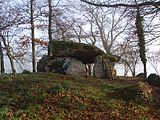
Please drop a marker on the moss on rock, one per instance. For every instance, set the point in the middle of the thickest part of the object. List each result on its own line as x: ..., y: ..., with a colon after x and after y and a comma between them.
x: 83, y: 52
x: 141, y: 93
x: 111, y: 58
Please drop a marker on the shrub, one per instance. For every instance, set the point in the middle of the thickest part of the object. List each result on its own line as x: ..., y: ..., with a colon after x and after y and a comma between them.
x: 26, y: 72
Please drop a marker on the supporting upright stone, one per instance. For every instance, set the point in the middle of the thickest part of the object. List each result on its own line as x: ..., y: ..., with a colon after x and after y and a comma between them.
x: 64, y: 65
x: 103, y: 68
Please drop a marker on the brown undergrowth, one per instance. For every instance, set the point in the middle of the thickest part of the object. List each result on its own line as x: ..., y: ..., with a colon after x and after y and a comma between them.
x: 48, y: 96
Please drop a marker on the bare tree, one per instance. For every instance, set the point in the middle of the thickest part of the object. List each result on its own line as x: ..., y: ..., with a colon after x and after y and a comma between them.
x: 49, y: 23
x: 141, y: 39
x: 78, y: 31
x: 106, y: 26
x: 154, y: 60
x: 129, y: 57
x: 124, y: 3
x: 10, y: 56
x: 11, y: 17
x: 153, y: 8
x: 1, y: 59
x: 32, y: 34
x: 32, y: 9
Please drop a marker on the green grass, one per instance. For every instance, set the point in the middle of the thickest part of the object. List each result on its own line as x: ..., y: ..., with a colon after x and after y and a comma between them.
x: 48, y: 96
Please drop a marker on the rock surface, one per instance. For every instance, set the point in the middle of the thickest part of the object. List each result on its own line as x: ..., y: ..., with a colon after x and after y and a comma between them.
x: 140, y: 92
x: 144, y: 92
x: 43, y: 64
x: 140, y: 75
x: 83, y: 52
x: 154, y: 80
x: 74, y: 67
x: 148, y: 94
x: 103, y: 68
x: 65, y: 65
x: 71, y: 58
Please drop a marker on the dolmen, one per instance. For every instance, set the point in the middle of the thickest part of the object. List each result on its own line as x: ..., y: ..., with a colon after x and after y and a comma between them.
x: 68, y: 57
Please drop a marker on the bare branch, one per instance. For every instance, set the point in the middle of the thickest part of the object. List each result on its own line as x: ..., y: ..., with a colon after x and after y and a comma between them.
x: 147, y: 3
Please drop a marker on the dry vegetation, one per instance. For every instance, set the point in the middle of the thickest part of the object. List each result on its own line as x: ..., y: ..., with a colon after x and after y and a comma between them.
x: 50, y: 96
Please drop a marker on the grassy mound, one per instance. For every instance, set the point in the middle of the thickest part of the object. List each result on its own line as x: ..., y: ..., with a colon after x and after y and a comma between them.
x: 51, y: 96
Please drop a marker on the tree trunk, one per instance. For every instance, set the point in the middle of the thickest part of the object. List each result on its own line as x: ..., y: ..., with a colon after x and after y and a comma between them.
x: 49, y: 24
x: 32, y: 36
x: 8, y: 54
x: 1, y: 59
x: 141, y: 40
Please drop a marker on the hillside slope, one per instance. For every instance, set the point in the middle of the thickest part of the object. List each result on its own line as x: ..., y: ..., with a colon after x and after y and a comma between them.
x: 48, y: 96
